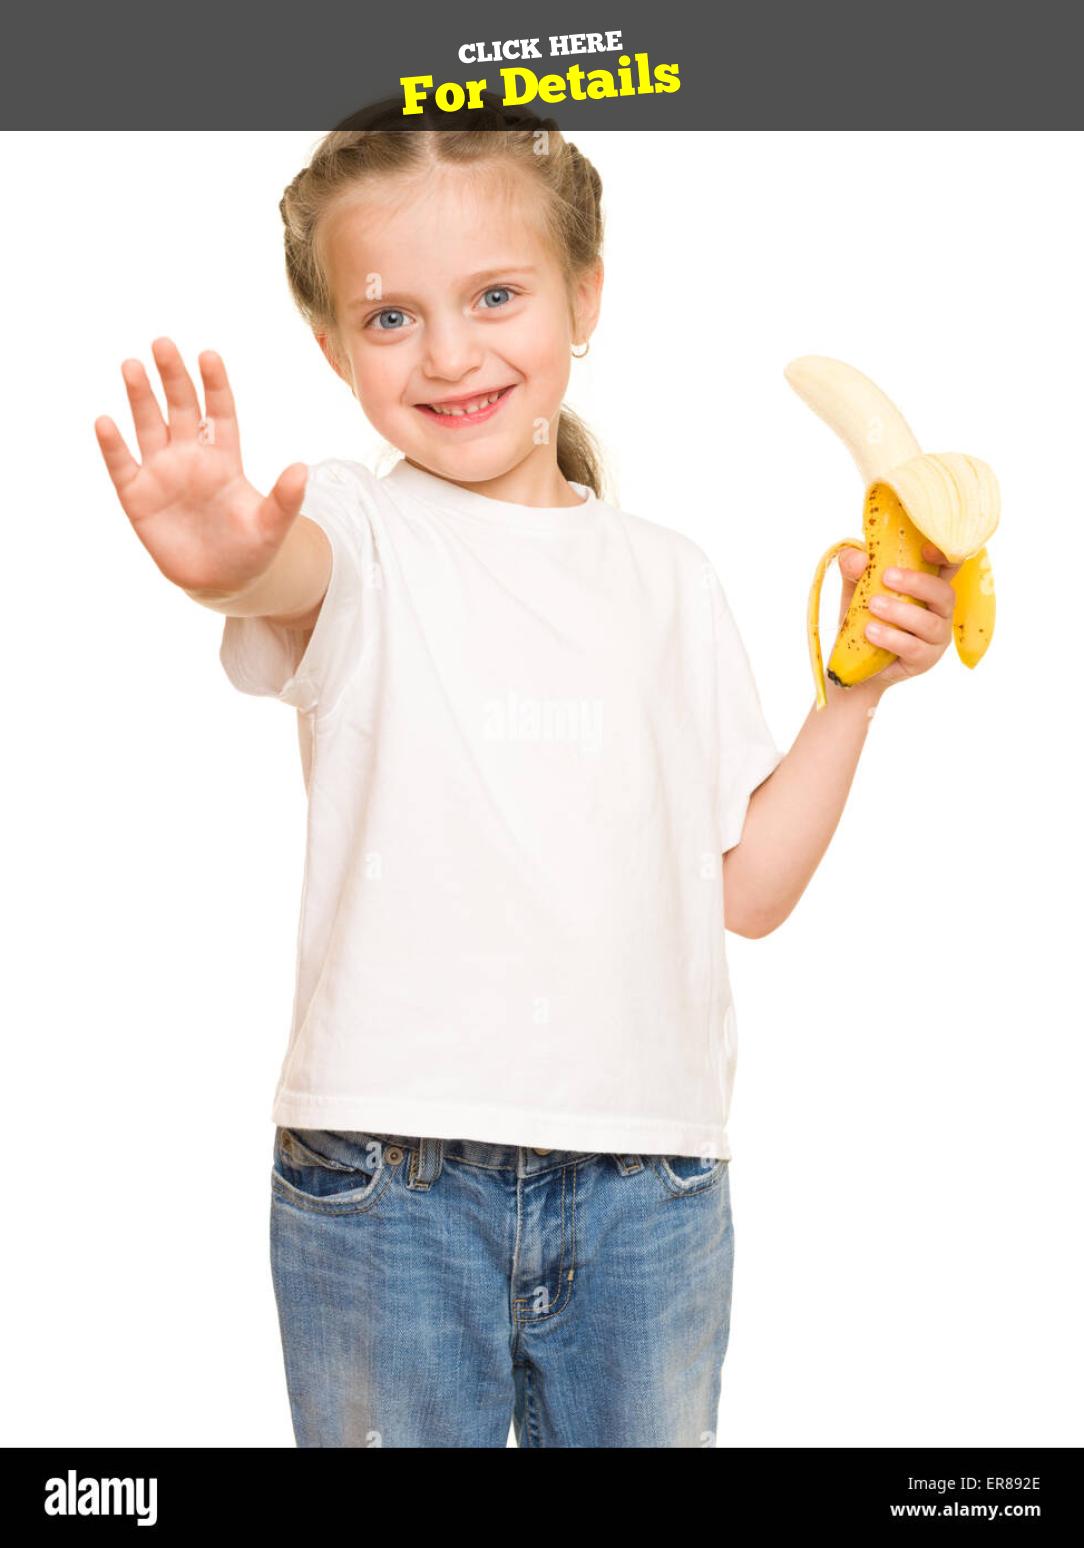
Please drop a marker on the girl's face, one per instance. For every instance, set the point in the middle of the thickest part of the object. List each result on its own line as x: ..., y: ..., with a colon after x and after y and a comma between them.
x: 445, y: 292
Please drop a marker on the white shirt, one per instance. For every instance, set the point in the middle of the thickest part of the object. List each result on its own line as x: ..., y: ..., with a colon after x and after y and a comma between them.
x: 528, y: 735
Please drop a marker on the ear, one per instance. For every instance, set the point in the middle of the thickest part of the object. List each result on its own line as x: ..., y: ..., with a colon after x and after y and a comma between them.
x: 327, y: 347
x: 587, y: 300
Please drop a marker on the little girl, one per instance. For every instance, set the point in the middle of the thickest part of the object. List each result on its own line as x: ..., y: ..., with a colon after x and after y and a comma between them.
x: 531, y: 740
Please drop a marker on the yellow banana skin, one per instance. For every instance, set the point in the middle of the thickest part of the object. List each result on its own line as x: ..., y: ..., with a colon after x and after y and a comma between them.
x: 891, y: 539
x: 976, y: 608
x: 813, y: 615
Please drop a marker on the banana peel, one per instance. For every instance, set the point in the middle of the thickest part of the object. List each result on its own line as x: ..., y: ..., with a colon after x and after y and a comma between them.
x: 976, y: 608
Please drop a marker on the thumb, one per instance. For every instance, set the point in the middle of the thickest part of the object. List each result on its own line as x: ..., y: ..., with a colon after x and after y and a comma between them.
x: 852, y: 562
x: 283, y: 504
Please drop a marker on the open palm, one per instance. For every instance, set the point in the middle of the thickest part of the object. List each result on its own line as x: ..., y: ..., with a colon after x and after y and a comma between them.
x: 205, y: 526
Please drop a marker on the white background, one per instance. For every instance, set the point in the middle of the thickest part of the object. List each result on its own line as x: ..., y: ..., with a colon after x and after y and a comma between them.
x: 906, y: 1178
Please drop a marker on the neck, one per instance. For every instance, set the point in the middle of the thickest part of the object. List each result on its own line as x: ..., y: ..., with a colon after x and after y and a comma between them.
x: 533, y: 481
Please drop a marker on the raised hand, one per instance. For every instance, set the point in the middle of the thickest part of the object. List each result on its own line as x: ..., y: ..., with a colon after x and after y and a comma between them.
x: 205, y: 526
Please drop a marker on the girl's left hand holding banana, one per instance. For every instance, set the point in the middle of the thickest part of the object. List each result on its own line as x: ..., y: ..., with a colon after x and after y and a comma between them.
x: 919, y: 636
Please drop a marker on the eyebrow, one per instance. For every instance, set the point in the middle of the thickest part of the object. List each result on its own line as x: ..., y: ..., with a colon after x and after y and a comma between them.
x: 469, y: 280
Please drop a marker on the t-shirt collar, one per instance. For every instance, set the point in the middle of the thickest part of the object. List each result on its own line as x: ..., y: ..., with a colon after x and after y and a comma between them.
x: 441, y: 492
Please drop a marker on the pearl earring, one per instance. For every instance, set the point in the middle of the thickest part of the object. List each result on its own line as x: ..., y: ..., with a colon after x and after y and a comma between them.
x: 586, y: 347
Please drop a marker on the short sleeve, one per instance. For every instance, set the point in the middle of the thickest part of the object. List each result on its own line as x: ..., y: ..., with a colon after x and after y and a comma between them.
x: 261, y: 657
x: 747, y: 751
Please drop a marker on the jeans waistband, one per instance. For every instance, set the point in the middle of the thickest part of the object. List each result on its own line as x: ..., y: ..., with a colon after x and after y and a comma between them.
x: 426, y: 1156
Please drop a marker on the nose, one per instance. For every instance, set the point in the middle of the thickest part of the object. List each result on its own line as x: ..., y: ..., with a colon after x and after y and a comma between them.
x: 452, y: 350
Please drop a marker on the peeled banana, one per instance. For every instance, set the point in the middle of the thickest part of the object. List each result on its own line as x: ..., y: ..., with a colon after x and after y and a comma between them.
x: 947, y: 498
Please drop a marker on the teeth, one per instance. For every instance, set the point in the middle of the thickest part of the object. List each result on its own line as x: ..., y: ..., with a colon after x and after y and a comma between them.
x: 469, y: 408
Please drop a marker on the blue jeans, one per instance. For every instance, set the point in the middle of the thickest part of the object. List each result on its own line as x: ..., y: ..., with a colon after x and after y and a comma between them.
x: 432, y: 1291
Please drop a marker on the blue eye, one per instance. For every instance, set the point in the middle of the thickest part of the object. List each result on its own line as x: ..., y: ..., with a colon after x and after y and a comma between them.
x: 388, y: 312
x: 496, y: 291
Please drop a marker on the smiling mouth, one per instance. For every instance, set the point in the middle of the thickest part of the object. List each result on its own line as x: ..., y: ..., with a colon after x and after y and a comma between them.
x: 480, y: 406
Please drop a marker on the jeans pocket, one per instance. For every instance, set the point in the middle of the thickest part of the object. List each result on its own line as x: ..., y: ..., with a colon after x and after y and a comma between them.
x: 331, y: 1174
x: 688, y: 1175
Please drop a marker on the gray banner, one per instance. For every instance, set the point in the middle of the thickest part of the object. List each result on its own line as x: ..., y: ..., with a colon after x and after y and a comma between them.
x: 597, y: 64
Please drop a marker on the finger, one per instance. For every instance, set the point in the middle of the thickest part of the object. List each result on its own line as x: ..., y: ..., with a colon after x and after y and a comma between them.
x: 219, y: 400
x: 934, y: 590
x: 284, y: 501
x: 907, y: 619
x: 122, y: 466
x: 898, y: 641
x: 184, y: 409
x: 933, y: 555
x: 279, y: 509
x: 150, y: 428
x: 852, y: 562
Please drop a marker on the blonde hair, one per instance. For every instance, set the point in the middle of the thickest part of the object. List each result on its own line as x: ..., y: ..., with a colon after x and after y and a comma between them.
x: 376, y: 142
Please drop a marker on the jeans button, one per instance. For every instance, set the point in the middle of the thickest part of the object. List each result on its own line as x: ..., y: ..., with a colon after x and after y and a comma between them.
x: 541, y: 1152
x: 393, y: 1155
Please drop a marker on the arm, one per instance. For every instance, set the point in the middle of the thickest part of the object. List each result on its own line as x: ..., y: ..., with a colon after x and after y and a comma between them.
x: 291, y: 591
x: 794, y: 813
x: 792, y: 816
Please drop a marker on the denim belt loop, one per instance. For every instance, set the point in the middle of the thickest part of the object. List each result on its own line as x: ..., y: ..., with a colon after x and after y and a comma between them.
x: 627, y: 1165
x: 425, y: 1163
